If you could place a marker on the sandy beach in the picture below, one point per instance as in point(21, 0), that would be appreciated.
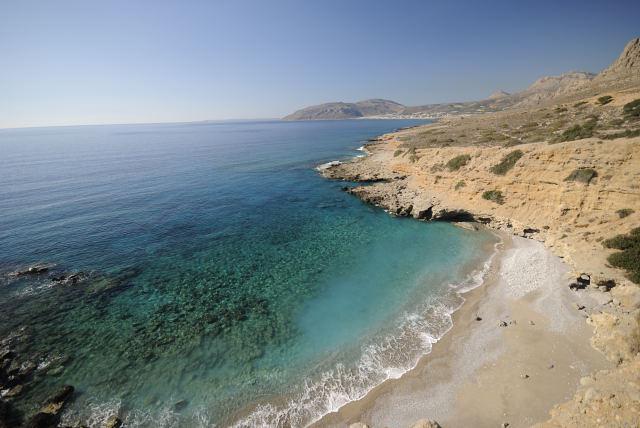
point(519, 345)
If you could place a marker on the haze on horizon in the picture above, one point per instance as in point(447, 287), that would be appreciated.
point(78, 62)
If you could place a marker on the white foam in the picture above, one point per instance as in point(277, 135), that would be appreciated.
point(387, 358)
point(327, 165)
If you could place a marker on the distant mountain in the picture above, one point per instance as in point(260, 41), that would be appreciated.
point(498, 95)
point(623, 71)
point(340, 110)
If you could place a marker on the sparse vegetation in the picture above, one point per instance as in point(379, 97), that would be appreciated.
point(628, 133)
point(458, 162)
point(560, 109)
point(624, 212)
point(507, 162)
point(628, 257)
point(632, 110)
point(460, 184)
point(413, 157)
point(578, 132)
point(397, 153)
point(580, 103)
point(605, 99)
point(582, 175)
point(494, 196)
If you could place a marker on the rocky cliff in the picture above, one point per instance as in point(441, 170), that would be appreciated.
point(564, 173)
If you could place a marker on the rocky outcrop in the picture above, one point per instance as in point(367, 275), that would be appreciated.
point(627, 65)
point(533, 198)
point(426, 423)
point(49, 414)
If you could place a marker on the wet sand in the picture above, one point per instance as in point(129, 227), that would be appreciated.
point(484, 374)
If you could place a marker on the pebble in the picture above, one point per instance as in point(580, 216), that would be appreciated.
point(524, 376)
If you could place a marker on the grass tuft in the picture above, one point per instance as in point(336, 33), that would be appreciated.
point(460, 184)
point(582, 175)
point(624, 212)
point(632, 110)
point(578, 132)
point(604, 100)
point(507, 162)
point(628, 258)
point(458, 162)
point(494, 196)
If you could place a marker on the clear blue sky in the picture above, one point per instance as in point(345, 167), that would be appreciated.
point(119, 61)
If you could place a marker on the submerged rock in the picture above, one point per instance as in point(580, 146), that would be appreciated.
point(113, 422)
point(32, 270)
point(57, 401)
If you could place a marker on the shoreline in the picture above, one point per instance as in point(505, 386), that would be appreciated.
point(413, 173)
point(478, 364)
point(475, 274)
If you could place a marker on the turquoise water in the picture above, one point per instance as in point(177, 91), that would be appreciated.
point(224, 281)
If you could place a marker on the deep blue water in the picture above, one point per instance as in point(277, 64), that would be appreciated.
point(223, 280)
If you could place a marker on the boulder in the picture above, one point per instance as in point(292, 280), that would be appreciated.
point(606, 284)
point(113, 422)
point(584, 279)
point(577, 286)
point(57, 401)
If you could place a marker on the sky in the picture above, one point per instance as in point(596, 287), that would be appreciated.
point(122, 61)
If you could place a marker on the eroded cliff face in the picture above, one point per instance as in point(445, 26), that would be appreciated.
point(572, 217)
point(570, 195)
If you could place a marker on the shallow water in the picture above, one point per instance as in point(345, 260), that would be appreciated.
point(224, 280)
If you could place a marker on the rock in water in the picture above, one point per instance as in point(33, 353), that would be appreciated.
point(113, 422)
point(49, 415)
point(43, 420)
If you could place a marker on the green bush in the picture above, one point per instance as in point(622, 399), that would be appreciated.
point(632, 110)
point(397, 153)
point(460, 184)
point(507, 162)
point(629, 256)
point(583, 175)
point(606, 99)
point(624, 212)
point(494, 196)
point(458, 162)
point(578, 132)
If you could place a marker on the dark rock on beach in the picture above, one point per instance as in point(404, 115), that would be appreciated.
point(584, 279)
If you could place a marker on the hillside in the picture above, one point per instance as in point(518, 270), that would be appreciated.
point(562, 168)
point(340, 110)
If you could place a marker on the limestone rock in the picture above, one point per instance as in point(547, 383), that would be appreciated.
point(426, 423)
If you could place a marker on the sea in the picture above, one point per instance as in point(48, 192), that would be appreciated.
point(205, 274)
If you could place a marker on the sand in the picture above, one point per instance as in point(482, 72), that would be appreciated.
point(482, 374)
